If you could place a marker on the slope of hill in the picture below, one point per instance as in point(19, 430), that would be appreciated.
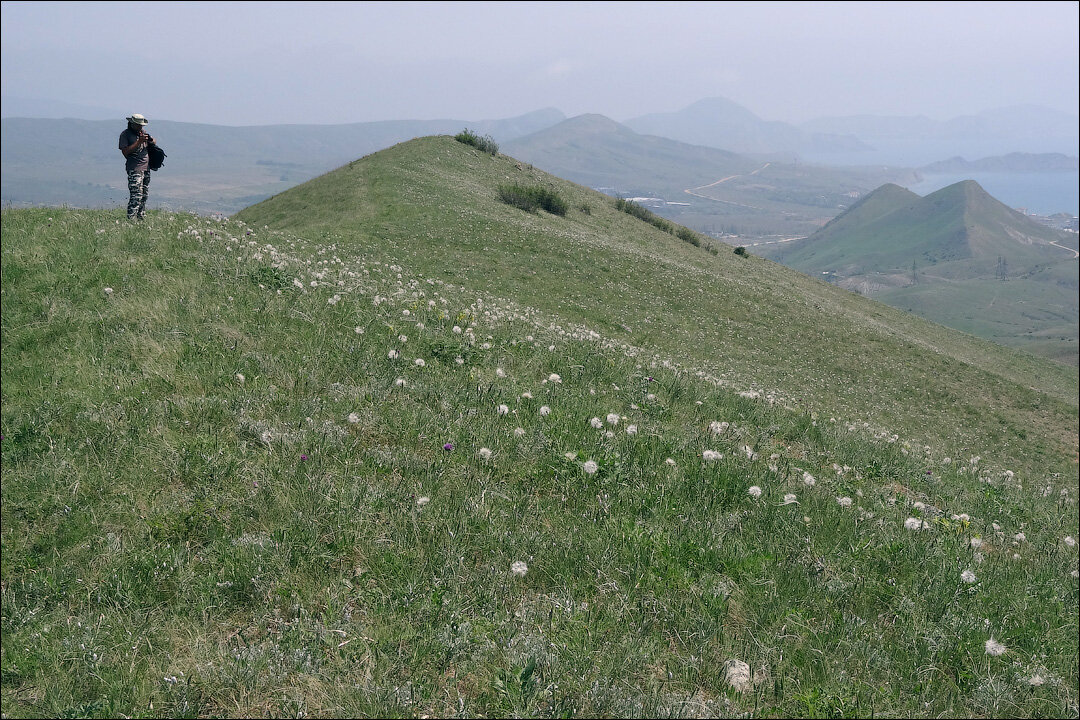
point(210, 168)
point(608, 270)
point(430, 454)
point(701, 187)
point(957, 256)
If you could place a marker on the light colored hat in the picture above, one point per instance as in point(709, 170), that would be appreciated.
point(138, 119)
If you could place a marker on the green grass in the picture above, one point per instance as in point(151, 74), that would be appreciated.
point(748, 324)
point(226, 492)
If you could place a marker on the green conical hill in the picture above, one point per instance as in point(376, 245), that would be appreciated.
point(432, 204)
point(893, 228)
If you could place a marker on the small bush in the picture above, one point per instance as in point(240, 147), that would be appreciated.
point(740, 251)
point(485, 143)
point(632, 208)
point(683, 233)
point(531, 198)
point(687, 235)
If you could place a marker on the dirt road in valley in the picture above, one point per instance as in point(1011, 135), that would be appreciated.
point(690, 191)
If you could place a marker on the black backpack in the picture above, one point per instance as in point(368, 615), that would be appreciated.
point(157, 157)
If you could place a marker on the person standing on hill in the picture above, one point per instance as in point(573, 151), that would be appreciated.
point(135, 144)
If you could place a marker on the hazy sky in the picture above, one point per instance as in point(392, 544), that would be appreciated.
point(255, 63)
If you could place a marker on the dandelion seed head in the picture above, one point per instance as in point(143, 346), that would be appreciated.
point(393, 355)
point(545, 410)
point(754, 491)
point(504, 409)
point(419, 362)
point(711, 456)
point(808, 479)
point(613, 418)
point(631, 429)
point(485, 453)
point(914, 524)
point(590, 467)
point(519, 432)
point(967, 576)
point(789, 499)
point(422, 501)
point(519, 568)
point(670, 462)
point(353, 418)
point(844, 502)
point(596, 423)
point(993, 647)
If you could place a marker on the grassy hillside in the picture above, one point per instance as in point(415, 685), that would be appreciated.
point(751, 324)
point(430, 454)
point(958, 257)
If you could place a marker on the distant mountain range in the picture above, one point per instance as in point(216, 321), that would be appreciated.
point(918, 140)
point(910, 141)
point(1011, 163)
point(715, 165)
point(713, 190)
point(597, 151)
point(721, 123)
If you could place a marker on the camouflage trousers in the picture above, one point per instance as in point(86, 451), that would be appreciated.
point(138, 190)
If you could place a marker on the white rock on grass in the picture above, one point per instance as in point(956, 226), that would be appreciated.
point(737, 674)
